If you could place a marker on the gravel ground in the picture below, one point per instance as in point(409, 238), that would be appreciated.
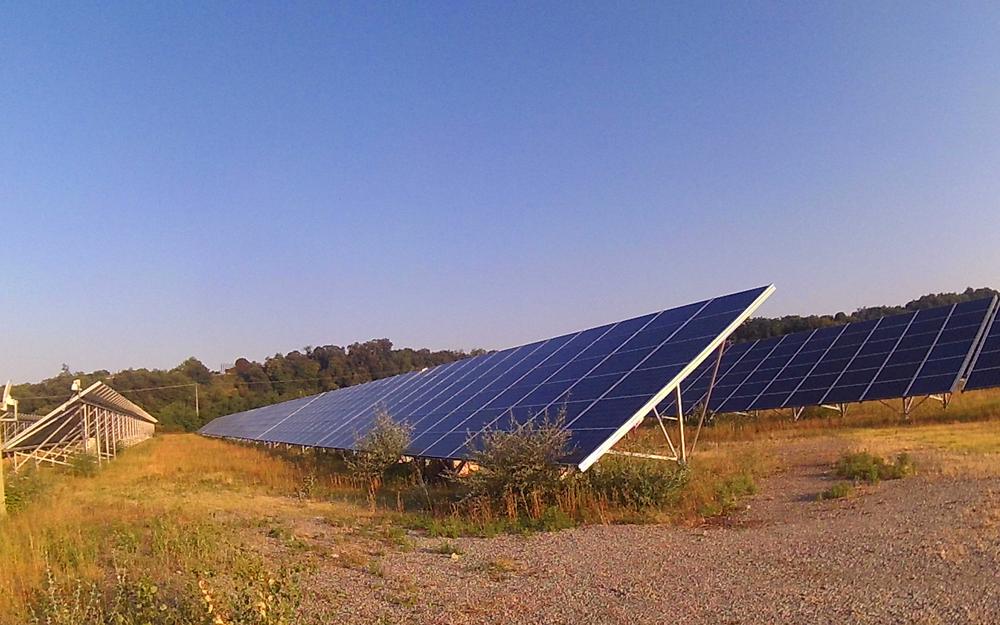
point(921, 550)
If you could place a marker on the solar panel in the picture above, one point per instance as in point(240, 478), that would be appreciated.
point(918, 353)
point(985, 370)
point(603, 380)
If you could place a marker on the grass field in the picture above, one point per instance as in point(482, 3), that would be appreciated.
point(188, 526)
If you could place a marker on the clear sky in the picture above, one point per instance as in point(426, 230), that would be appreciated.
point(225, 180)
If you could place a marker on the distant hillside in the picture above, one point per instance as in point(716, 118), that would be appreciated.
point(249, 384)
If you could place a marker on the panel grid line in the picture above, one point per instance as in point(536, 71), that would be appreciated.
point(816, 364)
point(923, 362)
point(707, 370)
point(636, 367)
point(505, 372)
point(888, 356)
point(847, 366)
point(783, 367)
point(752, 371)
point(510, 386)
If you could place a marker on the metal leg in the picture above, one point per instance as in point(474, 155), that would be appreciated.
point(680, 426)
point(708, 396)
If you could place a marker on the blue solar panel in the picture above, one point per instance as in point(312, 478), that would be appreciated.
point(918, 353)
point(602, 380)
point(985, 370)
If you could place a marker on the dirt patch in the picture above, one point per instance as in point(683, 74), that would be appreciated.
point(920, 550)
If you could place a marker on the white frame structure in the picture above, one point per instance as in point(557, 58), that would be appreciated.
point(99, 420)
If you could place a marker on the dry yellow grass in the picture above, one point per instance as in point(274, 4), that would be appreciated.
point(162, 507)
point(176, 502)
point(952, 449)
point(778, 424)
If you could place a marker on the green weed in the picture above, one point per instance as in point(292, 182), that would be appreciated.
point(837, 491)
point(866, 467)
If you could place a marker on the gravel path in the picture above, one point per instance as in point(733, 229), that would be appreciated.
point(921, 550)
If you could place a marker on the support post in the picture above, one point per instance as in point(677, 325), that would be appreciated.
point(86, 430)
point(666, 434)
point(680, 427)
point(708, 396)
point(96, 415)
point(3, 493)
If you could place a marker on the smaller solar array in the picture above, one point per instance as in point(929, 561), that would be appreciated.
point(912, 354)
point(985, 369)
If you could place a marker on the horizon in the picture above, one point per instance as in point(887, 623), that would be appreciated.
point(225, 365)
point(242, 180)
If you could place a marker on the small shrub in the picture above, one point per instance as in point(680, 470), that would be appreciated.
point(865, 467)
point(397, 536)
point(520, 467)
point(378, 451)
point(634, 483)
point(902, 466)
point(725, 494)
point(837, 491)
point(500, 568)
point(448, 548)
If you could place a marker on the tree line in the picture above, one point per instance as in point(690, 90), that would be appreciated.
point(764, 327)
point(169, 394)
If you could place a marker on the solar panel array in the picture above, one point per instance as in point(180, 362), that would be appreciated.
point(985, 370)
point(603, 379)
point(918, 353)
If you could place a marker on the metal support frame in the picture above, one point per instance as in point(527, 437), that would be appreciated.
point(679, 449)
point(910, 404)
point(944, 398)
point(89, 428)
point(841, 408)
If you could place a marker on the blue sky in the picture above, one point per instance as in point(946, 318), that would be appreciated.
point(225, 180)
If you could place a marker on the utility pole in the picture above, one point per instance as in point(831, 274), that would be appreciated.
point(197, 412)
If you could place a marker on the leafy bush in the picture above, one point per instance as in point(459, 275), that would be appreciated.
point(24, 487)
point(865, 467)
point(378, 451)
point(634, 483)
point(519, 468)
point(83, 465)
point(837, 491)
